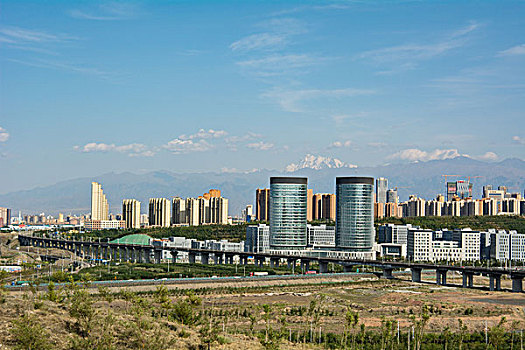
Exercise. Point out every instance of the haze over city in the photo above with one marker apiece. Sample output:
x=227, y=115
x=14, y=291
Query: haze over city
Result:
x=94, y=87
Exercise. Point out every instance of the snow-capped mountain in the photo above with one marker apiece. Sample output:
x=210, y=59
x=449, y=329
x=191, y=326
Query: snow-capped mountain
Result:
x=318, y=162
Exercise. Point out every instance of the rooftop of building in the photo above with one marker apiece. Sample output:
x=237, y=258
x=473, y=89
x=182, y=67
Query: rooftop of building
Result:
x=133, y=239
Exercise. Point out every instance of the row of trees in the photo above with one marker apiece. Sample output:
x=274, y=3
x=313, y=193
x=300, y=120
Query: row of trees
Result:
x=503, y=222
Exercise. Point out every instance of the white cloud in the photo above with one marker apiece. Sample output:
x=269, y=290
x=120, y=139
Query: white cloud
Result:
x=513, y=51
x=519, y=140
x=17, y=35
x=82, y=69
x=290, y=100
x=277, y=35
x=278, y=64
x=412, y=52
x=229, y=170
x=377, y=144
x=260, y=146
x=110, y=11
x=489, y=156
x=132, y=149
x=246, y=137
x=262, y=41
x=414, y=154
x=4, y=135
x=204, y=134
x=339, y=144
x=180, y=146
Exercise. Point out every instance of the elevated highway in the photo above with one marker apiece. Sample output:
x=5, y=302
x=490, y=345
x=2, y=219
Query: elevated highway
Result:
x=135, y=253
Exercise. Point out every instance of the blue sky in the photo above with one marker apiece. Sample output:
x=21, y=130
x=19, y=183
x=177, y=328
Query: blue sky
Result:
x=92, y=87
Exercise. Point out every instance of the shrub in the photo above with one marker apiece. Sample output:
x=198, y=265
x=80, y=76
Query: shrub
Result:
x=28, y=334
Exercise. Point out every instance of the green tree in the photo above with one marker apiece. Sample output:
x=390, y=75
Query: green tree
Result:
x=419, y=324
x=352, y=319
x=462, y=333
x=209, y=331
x=271, y=339
x=105, y=294
x=27, y=334
x=81, y=309
x=497, y=334
x=53, y=294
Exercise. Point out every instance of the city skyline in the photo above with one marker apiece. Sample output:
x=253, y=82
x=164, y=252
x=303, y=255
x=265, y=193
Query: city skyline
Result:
x=379, y=83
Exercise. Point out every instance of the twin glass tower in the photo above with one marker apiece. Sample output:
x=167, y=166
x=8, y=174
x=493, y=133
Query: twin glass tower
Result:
x=354, y=213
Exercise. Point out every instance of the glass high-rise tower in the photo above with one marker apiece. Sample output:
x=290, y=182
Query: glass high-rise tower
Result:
x=381, y=190
x=288, y=198
x=354, y=223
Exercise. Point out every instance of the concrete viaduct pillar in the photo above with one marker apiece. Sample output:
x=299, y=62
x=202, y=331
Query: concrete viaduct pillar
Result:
x=441, y=277
x=157, y=256
x=291, y=262
x=416, y=274
x=323, y=266
x=517, y=283
x=305, y=265
x=218, y=258
x=495, y=281
x=274, y=262
x=387, y=273
x=205, y=258
x=244, y=260
x=191, y=257
x=347, y=268
x=468, y=279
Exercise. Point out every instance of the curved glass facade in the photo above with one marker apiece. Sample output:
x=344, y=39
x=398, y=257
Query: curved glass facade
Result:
x=354, y=228
x=288, y=198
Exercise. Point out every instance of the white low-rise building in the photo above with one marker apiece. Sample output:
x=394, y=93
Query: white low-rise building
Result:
x=457, y=245
x=503, y=246
x=257, y=238
x=320, y=236
x=96, y=225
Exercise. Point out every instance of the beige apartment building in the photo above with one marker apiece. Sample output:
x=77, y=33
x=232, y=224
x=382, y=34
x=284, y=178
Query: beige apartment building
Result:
x=160, y=212
x=99, y=203
x=131, y=213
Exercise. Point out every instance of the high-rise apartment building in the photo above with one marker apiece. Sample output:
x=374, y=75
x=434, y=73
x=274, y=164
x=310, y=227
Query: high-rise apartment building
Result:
x=179, y=215
x=381, y=190
x=192, y=211
x=309, y=201
x=131, y=213
x=5, y=217
x=354, y=223
x=159, y=212
x=247, y=213
x=218, y=211
x=323, y=206
x=99, y=203
x=416, y=206
x=204, y=211
x=391, y=196
x=461, y=189
x=209, y=208
x=262, y=204
x=288, y=212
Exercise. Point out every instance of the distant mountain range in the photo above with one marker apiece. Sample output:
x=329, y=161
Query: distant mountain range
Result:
x=421, y=178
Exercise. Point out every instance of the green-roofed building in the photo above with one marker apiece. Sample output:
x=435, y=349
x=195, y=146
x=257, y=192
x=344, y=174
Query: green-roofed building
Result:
x=133, y=239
